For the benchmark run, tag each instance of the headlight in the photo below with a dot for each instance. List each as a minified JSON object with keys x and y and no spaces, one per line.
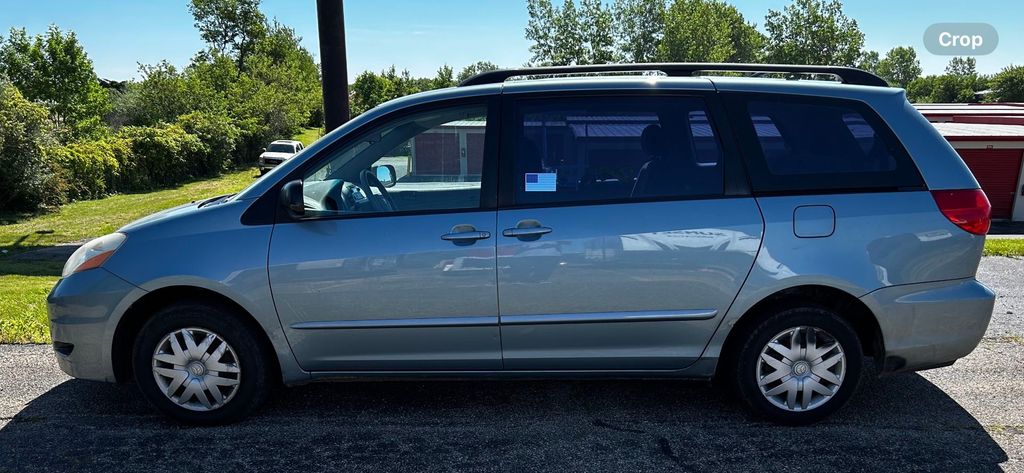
{"x":93,"y":254}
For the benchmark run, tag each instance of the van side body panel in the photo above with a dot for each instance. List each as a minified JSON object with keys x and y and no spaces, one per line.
{"x":880,"y":240}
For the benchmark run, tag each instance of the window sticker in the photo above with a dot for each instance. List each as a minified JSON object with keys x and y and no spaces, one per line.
{"x":541,"y":181}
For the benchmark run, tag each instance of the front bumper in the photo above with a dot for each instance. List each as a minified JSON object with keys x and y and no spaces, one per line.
{"x":931,"y":324}
{"x":81,"y":309}
{"x":266,"y":165}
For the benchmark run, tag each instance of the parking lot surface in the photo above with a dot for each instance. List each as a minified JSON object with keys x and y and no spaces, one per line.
{"x":969,"y":416}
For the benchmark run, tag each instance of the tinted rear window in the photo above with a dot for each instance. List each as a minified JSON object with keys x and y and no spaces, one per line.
{"x":802,"y":144}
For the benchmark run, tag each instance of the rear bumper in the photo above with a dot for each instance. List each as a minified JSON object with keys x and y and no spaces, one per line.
{"x":930,"y":325}
{"x":80,"y":308}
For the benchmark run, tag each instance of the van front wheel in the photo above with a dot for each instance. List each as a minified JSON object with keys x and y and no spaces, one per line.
{"x":200,"y":364}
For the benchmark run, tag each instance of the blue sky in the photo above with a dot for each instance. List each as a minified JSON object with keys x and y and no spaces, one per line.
{"x":422,"y":35}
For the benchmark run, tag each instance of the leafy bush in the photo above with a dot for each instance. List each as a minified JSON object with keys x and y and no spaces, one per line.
{"x":26,"y":180}
{"x":89,"y":170}
{"x":219,"y":137}
{"x":139,"y":158}
{"x":253,"y":136}
{"x":160,"y":155}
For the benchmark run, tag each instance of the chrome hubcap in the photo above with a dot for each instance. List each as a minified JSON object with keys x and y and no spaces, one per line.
{"x":801,"y":368}
{"x":196,"y":369}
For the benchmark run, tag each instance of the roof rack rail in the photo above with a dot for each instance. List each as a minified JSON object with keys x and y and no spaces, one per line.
{"x":848,"y":75}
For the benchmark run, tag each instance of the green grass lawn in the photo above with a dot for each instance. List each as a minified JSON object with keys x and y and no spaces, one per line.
{"x":1004,"y":247}
{"x":24,"y":284}
{"x":308,"y":135}
{"x":93,"y":218}
{"x":23,"y":290}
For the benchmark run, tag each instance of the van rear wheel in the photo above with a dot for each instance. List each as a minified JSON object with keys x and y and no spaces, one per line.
{"x":200,"y":364}
{"x":799,"y":365}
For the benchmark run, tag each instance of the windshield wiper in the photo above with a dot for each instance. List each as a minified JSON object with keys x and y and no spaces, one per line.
{"x":218,"y":199}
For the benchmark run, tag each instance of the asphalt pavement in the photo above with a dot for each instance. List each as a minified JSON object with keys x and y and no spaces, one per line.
{"x":969,"y":416}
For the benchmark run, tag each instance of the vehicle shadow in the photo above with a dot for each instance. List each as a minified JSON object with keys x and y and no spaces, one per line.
{"x":896,"y":423}
{"x":18,"y":266}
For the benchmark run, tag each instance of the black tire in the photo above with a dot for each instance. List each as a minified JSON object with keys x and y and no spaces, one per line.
{"x":746,"y":375}
{"x":255,"y":378}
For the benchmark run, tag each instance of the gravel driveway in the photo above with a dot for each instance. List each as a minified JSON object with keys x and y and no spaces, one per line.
{"x":969,"y":416}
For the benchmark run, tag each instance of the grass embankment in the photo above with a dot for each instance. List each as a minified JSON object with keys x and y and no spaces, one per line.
{"x":308,"y":135}
{"x":1004,"y":247}
{"x":24,"y":284}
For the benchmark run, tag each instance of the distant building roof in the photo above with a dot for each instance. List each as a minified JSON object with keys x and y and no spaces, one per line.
{"x":993,"y":113}
{"x":990,"y":119}
{"x":1001,"y":105}
{"x":980,"y":132}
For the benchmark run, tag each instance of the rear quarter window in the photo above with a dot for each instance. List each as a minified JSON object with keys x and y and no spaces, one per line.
{"x":808,"y":144}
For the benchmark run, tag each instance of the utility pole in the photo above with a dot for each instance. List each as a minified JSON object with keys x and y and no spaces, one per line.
{"x":333,"y":62}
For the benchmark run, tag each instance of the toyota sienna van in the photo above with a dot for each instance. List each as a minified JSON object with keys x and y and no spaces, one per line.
{"x":779,"y":233}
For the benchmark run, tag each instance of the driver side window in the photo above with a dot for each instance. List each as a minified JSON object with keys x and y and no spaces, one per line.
{"x":426,"y":161}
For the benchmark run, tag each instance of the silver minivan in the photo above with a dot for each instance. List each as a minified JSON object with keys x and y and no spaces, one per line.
{"x":777,"y":235}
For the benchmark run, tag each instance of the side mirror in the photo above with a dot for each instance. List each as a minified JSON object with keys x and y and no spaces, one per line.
{"x":264,"y":149}
{"x":291,"y":198}
{"x":386,"y":174}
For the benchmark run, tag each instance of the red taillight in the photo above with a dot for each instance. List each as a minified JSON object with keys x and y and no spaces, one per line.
{"x":969,"y":209}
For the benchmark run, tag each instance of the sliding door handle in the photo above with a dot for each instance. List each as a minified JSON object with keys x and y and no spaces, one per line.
{"x":526,"y":232}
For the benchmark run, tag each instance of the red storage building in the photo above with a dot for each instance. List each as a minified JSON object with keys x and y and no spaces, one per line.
{"x":990,"y":139}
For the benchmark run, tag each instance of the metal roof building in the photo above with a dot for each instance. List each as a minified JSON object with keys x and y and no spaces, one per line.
{"x":990,"y":139}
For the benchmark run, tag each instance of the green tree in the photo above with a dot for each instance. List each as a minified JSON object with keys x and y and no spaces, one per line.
{"x":163,"y":94}
{"x":1008,"y":84}
{"x":962,"y":66}
{"x":566,"y":35}
{"x":368,"y":91}
{"x":540,"y":30}
{"x":280,"y":60}
{"x":708,"y":31}
{"x":957,"y":89}
{"x":812,"y":32}
{"x":639,"y":28}
{"x":53,"y":69}
{"x":278,"y":93}
{"x":868,"y":61}
{"x":476,"y":68}
{"x":403,"y":82}
{"x":943,"y":89}
{"x":598,"y":32}
{"x":232,"y":27}
{"x":445,"y":78}
{"x":569,"y":46}
{"x":900,"y":66}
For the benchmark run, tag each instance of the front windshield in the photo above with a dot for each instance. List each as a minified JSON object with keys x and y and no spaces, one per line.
{"x":281,"y":148}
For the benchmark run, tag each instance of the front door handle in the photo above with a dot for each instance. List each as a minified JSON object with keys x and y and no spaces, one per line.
{"x":465,"y":235}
